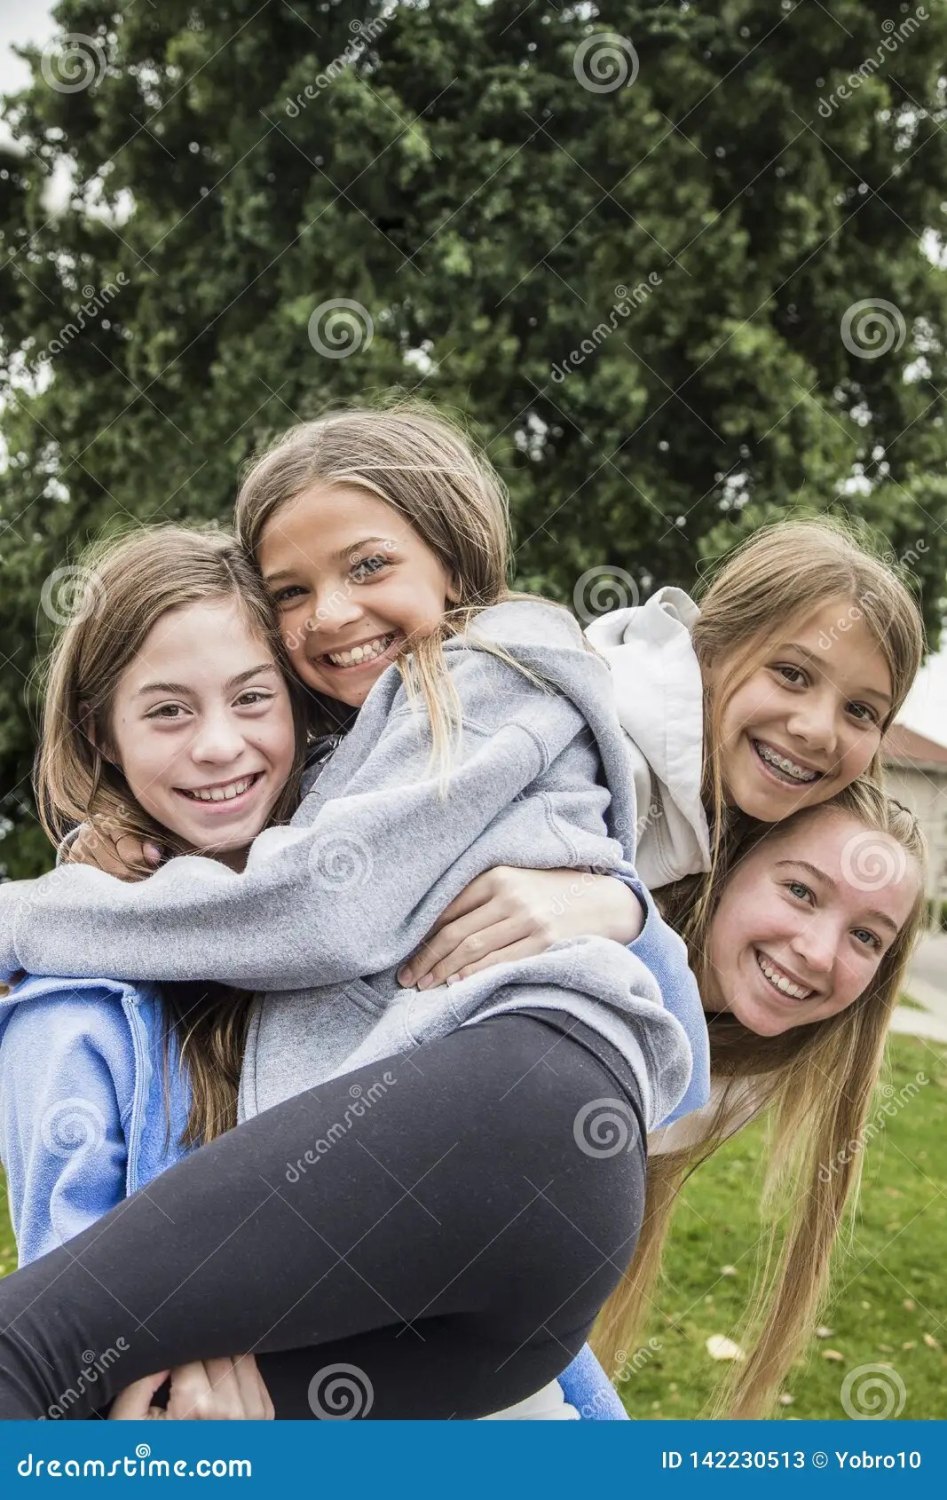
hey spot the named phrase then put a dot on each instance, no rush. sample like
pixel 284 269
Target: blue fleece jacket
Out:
pixel 83 1122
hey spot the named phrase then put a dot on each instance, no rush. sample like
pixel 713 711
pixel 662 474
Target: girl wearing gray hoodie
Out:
pixel 480 1210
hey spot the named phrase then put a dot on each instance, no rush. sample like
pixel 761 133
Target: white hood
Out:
pixel 660 702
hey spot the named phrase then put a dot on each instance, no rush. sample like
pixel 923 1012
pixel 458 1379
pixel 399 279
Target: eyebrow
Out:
pixel 181 687
pixel 343 555
pixel 826 880
pixel 818 661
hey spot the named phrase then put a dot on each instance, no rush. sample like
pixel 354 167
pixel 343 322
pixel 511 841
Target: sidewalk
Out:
pixel 927 985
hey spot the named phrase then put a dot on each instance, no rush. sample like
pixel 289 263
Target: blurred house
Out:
pixel 916 774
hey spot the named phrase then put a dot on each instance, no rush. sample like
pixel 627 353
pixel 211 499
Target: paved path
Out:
pixel 927 984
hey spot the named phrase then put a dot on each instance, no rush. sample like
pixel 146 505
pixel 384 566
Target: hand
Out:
pixel 509 913
pixel 219 1390
pixel 119 854
pixel 134 1403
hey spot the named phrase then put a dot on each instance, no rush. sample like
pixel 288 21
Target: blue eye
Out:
pixel 798 889
pixel 873 940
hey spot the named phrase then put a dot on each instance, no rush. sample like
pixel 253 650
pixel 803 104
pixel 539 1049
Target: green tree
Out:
pixel 628 245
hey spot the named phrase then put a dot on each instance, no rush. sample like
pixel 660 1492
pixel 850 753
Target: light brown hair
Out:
pixel 421 464
pixel 814 1086
pixel 129 583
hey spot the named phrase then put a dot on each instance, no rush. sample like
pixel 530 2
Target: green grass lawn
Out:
pixel 888 1285
pixel 889 1281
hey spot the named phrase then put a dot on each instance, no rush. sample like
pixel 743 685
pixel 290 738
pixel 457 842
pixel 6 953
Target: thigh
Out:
pixel 439 1215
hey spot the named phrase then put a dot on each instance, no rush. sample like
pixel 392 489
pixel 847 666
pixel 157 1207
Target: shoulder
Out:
pixel 51 1026
pixel 528 624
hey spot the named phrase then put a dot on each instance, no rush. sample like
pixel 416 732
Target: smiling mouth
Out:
pixel 221 792
pixel 365 654
pixel 779 980
pixel 787 770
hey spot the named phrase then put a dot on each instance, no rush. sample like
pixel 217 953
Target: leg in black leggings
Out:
pixel 453 1244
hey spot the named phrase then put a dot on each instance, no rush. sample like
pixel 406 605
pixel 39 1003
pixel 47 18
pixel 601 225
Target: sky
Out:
pixel 26 21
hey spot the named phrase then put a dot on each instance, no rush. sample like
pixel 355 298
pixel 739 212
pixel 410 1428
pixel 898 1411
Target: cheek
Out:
pixel 860 751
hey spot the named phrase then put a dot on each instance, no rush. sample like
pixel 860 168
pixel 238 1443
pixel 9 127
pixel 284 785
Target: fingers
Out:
pixel 134 1403
pixel 527 947
pixel 193 1398
pixel 219 1390
pixel 473 895
pixel 481 948
pixel 256 1398
pixel 123 856
pixel 435 950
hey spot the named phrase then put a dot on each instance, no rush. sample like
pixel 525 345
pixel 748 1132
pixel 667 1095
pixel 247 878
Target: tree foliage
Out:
pixel 634 291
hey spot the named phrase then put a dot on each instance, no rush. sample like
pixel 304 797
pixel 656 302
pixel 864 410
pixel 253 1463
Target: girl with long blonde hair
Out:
pixel 800 952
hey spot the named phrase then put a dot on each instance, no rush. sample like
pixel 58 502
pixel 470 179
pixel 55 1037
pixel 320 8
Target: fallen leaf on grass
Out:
pixel 835 1355
pixel 719 1347
pixel 930 1341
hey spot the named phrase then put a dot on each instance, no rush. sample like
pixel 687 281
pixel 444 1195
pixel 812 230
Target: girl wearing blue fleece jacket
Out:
pixel 514 718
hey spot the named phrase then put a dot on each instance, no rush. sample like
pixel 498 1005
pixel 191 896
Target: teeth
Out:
pixel 222 793
pixel 784 985
pixel 361 653
pixel 798 773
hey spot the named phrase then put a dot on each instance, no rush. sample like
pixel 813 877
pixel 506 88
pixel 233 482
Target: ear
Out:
pixel 454 590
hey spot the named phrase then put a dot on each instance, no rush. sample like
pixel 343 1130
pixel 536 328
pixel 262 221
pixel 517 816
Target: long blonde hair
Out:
pixel 761 591
pixel 423 466
pixel 126 586
pixel 814 1084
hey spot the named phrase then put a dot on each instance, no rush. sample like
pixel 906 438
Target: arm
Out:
pixel 313 900
pixel 509 913
pixel 61 1135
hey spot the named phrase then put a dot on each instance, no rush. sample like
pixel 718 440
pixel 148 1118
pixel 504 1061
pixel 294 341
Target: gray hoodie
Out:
pixel 375 852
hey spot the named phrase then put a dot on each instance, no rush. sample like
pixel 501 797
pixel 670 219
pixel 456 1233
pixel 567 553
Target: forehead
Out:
pixel 325 519
pixel 836 634
pixel 210 634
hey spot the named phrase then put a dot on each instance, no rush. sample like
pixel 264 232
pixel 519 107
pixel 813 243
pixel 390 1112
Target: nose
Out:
pixel 334 608
pixel 218 741
pixel 817 944
pixel 812 723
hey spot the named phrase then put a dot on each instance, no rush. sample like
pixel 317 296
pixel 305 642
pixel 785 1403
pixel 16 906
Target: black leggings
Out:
pixel 443 1226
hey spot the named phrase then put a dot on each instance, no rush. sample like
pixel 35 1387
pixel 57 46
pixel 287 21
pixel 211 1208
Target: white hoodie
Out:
pixel 660 701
